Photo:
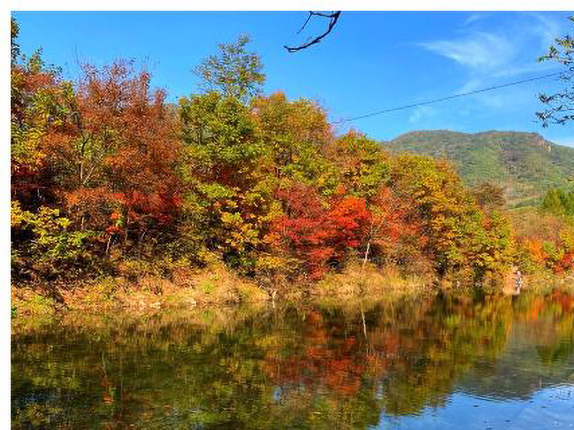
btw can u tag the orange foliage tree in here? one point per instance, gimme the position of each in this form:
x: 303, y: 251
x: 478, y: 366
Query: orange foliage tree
x: 115, y: 160
x: 319, y: 233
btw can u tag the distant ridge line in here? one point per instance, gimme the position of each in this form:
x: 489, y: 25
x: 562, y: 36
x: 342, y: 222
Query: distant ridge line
x: 524, y: 163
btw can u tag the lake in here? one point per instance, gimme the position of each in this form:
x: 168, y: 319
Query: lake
x: 441, y: 362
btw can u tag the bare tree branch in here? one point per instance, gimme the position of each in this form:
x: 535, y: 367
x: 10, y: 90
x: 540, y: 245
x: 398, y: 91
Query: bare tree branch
x: 326, y: 15
x: 333, y: 18
x: 306, y: 22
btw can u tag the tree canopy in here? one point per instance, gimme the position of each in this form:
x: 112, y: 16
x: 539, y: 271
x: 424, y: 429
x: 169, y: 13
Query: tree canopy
x: 234, y: 71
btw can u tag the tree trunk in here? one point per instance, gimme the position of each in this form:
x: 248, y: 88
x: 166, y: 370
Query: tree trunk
x: 366, y: 254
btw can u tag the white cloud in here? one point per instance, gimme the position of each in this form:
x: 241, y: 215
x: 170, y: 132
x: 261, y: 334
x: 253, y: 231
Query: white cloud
x: 477, y: 51
x: 490, y: 50
x: 547, y: 28
x: 475, y: 17
x: 472, y: 84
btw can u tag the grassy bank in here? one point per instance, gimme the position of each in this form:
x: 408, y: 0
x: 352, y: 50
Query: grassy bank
x: 210, y: 286
x: 213, y: 285
x: 217, y: 285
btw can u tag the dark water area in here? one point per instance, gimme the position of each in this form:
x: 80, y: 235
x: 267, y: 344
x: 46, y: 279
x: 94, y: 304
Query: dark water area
x: 493, y: 362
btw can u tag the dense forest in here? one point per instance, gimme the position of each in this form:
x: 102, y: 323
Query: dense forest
x: 111, y: 181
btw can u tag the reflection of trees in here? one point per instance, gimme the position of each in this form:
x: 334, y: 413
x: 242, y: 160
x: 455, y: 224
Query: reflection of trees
x: 540, y: 352
x: 413, y: 352
x: 321, y: 367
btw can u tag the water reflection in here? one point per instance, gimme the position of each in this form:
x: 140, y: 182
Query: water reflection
x: 428, y: 362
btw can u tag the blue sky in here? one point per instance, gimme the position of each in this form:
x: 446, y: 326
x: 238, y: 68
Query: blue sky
x: 371, y: 61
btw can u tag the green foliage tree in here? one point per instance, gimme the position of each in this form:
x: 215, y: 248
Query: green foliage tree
x: 234, y: 72
x: 362, y: 164
x: 558, y: 202
x: 225, y: 191
x: 552, y: 202
x: 295, y: 136
x: 47, y: 249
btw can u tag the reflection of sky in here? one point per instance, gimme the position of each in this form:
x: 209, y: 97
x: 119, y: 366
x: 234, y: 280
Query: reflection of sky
x: 519, y: 390
x: 549, y: 408
x: 523, y: 368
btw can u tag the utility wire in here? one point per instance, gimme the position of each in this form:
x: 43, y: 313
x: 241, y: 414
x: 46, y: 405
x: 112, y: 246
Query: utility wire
x: 446, y: 98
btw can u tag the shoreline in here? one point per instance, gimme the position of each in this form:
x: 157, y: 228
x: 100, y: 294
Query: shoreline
x: 215, y: 287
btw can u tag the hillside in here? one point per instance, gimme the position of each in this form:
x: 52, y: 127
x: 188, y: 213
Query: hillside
x: 524, y: 163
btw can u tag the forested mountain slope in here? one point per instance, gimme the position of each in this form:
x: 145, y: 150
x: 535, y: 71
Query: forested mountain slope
x: 524, y: 163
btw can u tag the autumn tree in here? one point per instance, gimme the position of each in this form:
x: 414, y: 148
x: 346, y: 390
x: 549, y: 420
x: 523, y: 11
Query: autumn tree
x: 40, y: 105
x: 394, y: 234
x: 105, y: 170
x: 43, y: 246
x: 115, y: 162
x: 320, y: 232
x: 489, y: 195
x: 456, y: 228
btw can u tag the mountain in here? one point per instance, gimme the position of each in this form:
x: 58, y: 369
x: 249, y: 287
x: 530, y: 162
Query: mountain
x: 525, y: 164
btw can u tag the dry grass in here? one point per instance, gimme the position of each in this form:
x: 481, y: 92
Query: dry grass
x: 545, y: 282
x: 370, y: 281
x: 26, y: 301
x: 213, y: 285
x: 218, y: 284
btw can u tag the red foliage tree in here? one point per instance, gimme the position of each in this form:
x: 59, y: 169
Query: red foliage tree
x: 395, y: 231
x: 321, y: 232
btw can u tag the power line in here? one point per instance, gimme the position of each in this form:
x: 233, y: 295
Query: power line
x: 446, y: 98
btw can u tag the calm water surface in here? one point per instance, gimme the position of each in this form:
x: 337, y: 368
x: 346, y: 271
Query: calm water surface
x: 427, y: 363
